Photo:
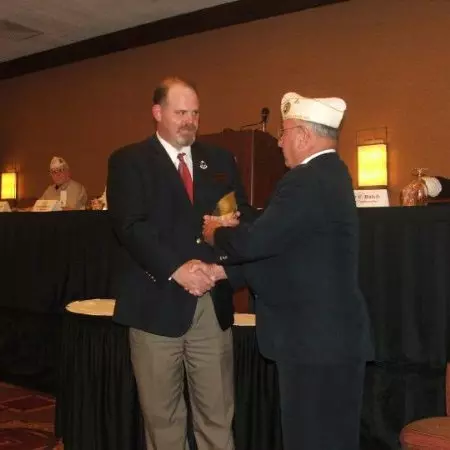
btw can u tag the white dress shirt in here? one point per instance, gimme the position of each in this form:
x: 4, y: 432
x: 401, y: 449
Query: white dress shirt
x: 173, y: 154
x: 323, y: 152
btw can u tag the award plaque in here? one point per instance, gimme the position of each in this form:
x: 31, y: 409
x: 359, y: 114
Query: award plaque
x: 226, y: 205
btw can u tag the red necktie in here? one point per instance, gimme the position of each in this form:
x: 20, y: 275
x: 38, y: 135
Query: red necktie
x: 185, y: 175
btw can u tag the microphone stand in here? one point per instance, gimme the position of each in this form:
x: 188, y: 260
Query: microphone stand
x: 253, y: 125
x: 264, y: 118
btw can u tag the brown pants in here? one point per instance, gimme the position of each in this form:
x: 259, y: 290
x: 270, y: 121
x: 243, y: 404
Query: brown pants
x: 205, y: 352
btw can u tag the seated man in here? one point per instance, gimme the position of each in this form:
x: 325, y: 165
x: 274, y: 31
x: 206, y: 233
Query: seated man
x: 71, y: 193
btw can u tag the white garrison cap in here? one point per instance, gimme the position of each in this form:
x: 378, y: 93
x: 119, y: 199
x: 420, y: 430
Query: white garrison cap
x: 434, y: 186
x: 325, y: 111
x: 58, y: 163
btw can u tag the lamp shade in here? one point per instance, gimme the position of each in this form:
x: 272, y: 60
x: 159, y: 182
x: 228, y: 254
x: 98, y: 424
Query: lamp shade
x: 372, y: 165
x: 9, y: 185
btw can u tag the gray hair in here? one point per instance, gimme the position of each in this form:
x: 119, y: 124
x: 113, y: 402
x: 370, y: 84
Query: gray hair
x: 324, y: 130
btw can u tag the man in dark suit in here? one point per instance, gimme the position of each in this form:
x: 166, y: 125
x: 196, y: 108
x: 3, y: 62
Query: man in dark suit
x: 180, y: 320
x: 300, y: 258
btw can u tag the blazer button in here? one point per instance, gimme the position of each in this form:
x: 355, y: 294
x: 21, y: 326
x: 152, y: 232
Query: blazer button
x: 151, y: 276
x: 198, y: 240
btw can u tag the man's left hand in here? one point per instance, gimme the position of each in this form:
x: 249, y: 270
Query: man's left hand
x: 211, y: 223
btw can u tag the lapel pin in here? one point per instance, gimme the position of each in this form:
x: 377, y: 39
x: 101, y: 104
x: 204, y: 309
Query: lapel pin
x: 203, y: 165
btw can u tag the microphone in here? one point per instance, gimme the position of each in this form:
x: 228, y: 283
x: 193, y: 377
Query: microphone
x: 264, y: 117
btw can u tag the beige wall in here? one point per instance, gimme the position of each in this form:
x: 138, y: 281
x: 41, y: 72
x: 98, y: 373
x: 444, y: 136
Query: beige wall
x: 387, y: 58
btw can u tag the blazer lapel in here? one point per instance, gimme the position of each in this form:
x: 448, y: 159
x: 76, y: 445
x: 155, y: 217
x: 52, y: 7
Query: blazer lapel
x: 201, y: 170
x: 165, y: 164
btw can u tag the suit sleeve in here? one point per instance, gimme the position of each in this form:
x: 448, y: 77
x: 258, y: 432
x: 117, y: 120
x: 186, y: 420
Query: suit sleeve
x: 293, y: 210
x: 132, y: 220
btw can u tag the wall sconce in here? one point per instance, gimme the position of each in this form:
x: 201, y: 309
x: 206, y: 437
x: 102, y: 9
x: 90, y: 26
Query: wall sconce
x: 9, y: 186
x: 372, y: 165
x: 372, y: 158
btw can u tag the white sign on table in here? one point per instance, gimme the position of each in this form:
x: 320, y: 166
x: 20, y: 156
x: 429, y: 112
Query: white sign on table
x: 370, y: 198
x: 47, y: 206
x: 4, y: 206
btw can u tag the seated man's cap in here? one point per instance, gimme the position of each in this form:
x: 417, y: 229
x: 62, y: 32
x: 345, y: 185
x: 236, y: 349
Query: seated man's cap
x: 58, y: 163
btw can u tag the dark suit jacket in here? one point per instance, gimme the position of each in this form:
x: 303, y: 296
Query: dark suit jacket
x: 304, y: 269
x: 159, y: 229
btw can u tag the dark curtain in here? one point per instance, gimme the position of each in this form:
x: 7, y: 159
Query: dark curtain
x: 29, y: 348
x: 405, y: 278
x: 50, y: 259
x: 97, y: 405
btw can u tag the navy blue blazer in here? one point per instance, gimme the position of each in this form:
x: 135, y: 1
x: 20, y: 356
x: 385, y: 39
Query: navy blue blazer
x: 159, y: 229
x: 301, y: 259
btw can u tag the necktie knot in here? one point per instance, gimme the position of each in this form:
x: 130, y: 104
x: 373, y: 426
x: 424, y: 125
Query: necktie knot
x: 181, y: 156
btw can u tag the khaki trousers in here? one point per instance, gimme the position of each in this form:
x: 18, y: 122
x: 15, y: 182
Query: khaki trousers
x: 205, y: 354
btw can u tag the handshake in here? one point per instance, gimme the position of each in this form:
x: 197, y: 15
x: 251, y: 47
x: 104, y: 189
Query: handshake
x: 198, y: 277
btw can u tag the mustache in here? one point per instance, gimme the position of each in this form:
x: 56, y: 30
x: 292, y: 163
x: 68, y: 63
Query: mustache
x: 188, y: 128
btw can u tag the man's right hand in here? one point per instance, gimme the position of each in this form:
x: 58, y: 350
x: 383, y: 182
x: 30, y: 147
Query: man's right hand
x: 194, y: 277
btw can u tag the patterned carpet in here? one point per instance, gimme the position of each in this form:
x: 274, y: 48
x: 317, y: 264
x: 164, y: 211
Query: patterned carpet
x: 26, y: 419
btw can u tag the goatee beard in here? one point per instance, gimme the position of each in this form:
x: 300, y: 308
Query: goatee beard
x: 186, y: 140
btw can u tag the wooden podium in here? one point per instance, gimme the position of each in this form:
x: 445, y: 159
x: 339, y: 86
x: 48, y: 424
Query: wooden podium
x: 261, y: 165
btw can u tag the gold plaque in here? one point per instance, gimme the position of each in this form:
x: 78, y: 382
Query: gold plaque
x: 226, y: 205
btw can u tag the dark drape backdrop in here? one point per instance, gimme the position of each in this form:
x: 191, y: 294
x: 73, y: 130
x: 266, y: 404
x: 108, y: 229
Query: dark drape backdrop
x: 50, y: 259
x: 405, y: 278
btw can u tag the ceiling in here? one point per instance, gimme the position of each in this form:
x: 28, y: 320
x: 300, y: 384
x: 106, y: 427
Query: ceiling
x: 41, y: 34
x: 33, y: 26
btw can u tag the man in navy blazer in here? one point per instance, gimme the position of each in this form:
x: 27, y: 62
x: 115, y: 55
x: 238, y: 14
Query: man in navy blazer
x: 300, y: 258
x: 180, y: 318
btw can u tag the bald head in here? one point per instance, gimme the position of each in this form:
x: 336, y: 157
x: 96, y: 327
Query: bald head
x: 162, y: 90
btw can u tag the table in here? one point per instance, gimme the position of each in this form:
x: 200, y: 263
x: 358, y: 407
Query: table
x: 97, y: 405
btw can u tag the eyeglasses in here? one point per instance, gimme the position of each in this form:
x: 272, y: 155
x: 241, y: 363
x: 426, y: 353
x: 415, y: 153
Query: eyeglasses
x: 282, y: 130
x: 56, y: 171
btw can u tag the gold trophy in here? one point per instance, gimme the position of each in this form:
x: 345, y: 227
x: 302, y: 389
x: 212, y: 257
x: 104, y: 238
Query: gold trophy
x: 416, y: 192
x: 226, y: 205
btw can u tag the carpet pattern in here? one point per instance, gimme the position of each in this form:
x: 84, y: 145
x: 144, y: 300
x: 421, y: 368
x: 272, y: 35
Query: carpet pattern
x: 26, y: 419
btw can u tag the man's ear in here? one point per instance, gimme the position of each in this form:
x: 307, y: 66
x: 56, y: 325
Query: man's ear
x: 156, y: 111
x: 303, y: 136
